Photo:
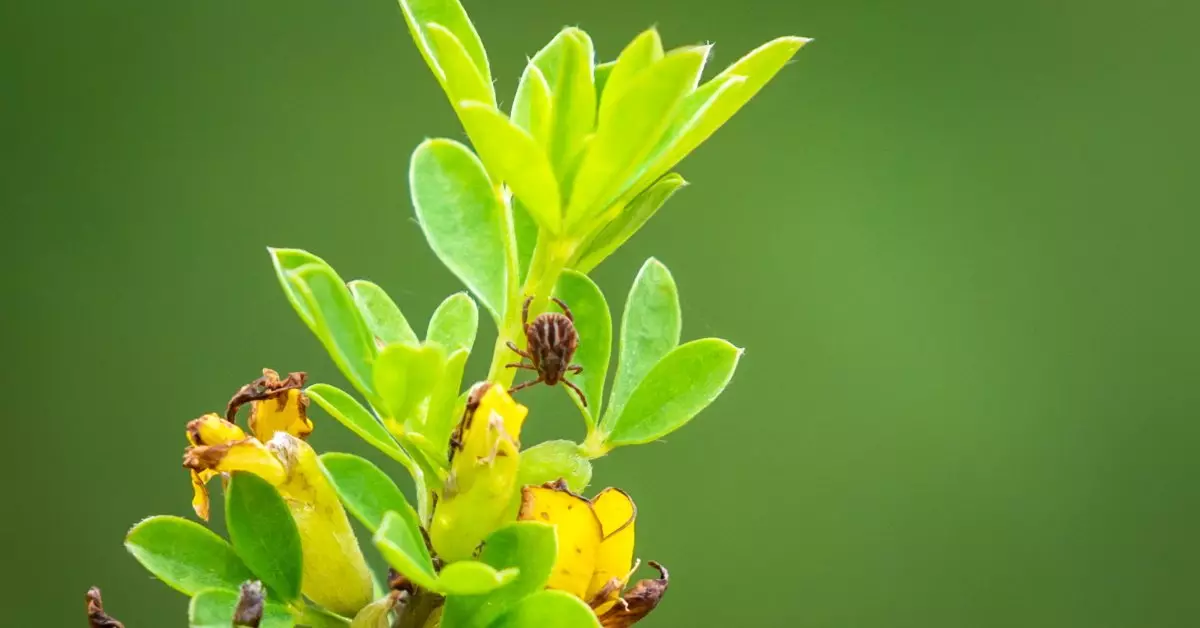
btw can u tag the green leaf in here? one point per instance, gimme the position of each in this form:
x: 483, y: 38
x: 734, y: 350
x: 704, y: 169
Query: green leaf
x: 594, y: 325
x: 454, y: 323
x: 469, y: 577
x: 341, y: 406
x: 381, y: 314
x: 644, y: 51
x: 317, y: 617
x: 601, y: 73
x: 451, y: 16
x: 399, y: 540
x: 405, y: 375
x: 631, y: 218
x: 682, y: 384
x: 532, y: 107
x: 263, y: 534
x: 326, y: 306
x: 214, y: 608
x: 567, y: 64
x: 460, y: 78
x: 529, y: 547
x: 638, y: 119
x: 526, y: 231
x: 514, y: 157
x: 186, y: 555
x: 368, y: 493
x: 753, y: 71
x: 554, y: 459
x: 549, y: 608
x: 463, y: 219
x: 650, y: 329
x: 443, y: 415
x: 377, y: 614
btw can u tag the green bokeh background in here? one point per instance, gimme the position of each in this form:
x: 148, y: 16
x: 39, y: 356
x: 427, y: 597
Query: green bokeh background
x: 957, y: 239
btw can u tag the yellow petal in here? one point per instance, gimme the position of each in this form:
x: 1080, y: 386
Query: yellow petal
x: 211, y: 429
x: 285, y: 412
x: 578, y: 530
x: 244, y: 455
x: 497, y: 418
x: 200, y: 492
x: 614, y: 559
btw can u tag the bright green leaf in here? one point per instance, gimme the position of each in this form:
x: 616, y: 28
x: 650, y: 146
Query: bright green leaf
x: 554, y: 459
x: 317, y: 617
x: 464, y: 221
x: 529, y: 547
x: 532, y: 107
x: 650, y: 329
x: 514, y: 157
x: 451, y: 16
x: 469, y: 577
x: 381, y: 314
x: 594, y: 325
x: 263, y: 534
x: 631, y: 218
x: 377, y: 614
x: 682, y: 384
x: 405, y: 375
x: 461, y: 79
x: 601, y: 73
x: 526, y: 234
x: 399, y: 540
x: 638, y: 120
x: 567, y: 64
x: 214, y: 608
x: 645, y: 50
x: 185, y: 555
x: 367, y: 491
x: 454, y: 323
x: 341, y: 406
x: 549, y: 608
x: 442, y: 416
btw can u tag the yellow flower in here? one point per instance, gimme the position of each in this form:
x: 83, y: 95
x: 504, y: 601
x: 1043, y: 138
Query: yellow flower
x: 595, y: 550
x: 335, y: 574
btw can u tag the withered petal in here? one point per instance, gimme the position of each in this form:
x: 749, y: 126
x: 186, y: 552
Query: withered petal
x: 249, y: 610
x: 97, y: 618
x: 638, y: 601
x: 265, y: 387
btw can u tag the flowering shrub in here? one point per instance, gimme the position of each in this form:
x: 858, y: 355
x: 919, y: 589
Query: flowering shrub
x: 500, y: 535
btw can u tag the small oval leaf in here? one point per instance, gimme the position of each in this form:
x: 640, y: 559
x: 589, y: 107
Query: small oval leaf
x: 567, y: 63
x: 214, y: 608
x: 405, y: 375
x: 368, y: 493
x: 645, y: 50
x: 382, y: 315
x: 350, y: 413
x: 549, y: 608
x: 594, y: 326
x: 460, y: 77
x: 552, y: 460
x: 454, y: 323
x: 185, y: 555
x: 264, y: 534
x: 682, y: 384
x: 531, y: 108
x: 400, y: 541
x: 631, y: 218
x: 469, y: 577
x: 451, y: 16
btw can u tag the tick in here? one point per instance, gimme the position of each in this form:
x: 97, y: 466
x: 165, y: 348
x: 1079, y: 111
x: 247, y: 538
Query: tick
x: 550, y: 342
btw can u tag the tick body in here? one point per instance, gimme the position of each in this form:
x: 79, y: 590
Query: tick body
x: 550, y: 341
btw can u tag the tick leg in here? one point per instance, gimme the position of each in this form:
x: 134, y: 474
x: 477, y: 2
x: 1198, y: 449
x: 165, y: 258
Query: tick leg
x: 566, y: 310
x: 575, y: 368
x: 520, y: 365
x: 526, y: 385
x: 582, y: 397
x: 525, y: 310
x: 518, y: 351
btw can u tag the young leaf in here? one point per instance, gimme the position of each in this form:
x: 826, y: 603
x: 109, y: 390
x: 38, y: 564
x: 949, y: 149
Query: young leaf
x: 755, y: 69
x: 214, y: 608
x: 594, y: 325
x: 549, y: 608
x: 377, y: 614
x: 527, y: 546
x: 451, y: 16
x: 324, y: 302
x: 645, y: 50
x: 314, y: 616
x: 463, y: 219
x: 514, y: 157
x: 454, y: 323
x: 525, y: 229
x: 554, y: 459
x: 567, y: 64
x: 399, y: 540
x: 264, y: 534
x: 628, y: 221
x: 381, y: 314
x: 601, y: 73
x: 650, y: 328
x: 682, y: 384
x: 469, y: 577
x: 461, y: 79
x: 442, y: 416
x: 638, y: 120
x: 186, y: 555
x: 367, y: 492
x: 531, y: 108
x: 404, y: 376
x: 341, y: 406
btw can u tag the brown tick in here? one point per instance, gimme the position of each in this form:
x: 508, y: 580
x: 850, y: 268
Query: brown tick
x: 551, y: 341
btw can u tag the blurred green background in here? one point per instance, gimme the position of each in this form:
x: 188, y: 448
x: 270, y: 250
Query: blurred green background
x: 957, y: 239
